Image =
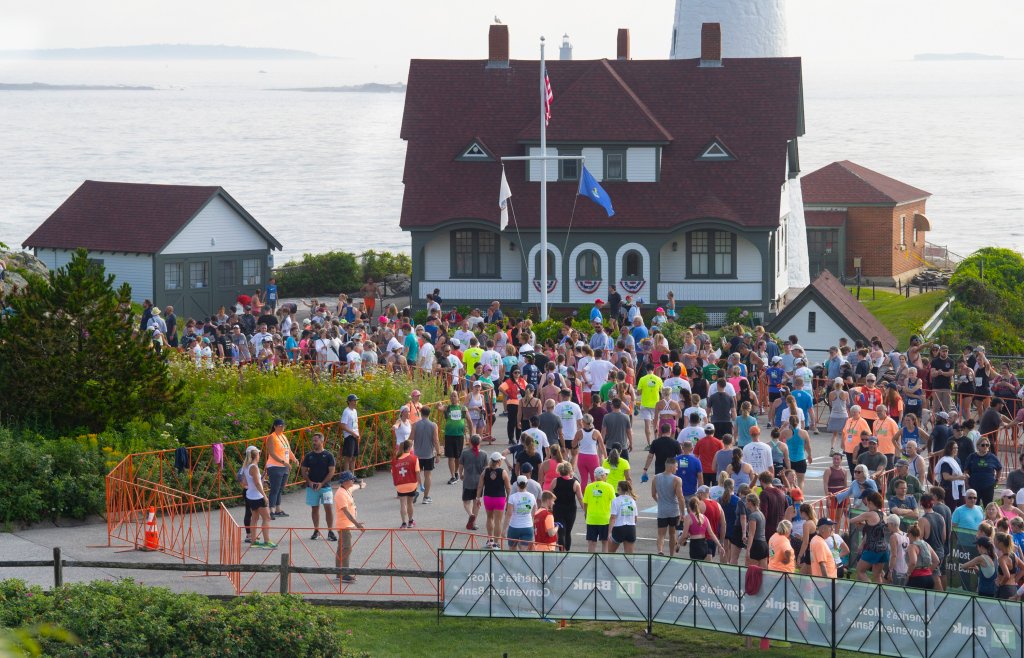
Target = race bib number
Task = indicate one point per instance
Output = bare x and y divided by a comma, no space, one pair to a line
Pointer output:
455,414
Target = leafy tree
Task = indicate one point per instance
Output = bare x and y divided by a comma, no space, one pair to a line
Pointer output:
379,264
70,356
989,305
331,272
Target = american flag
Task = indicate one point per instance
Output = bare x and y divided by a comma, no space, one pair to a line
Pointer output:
548,97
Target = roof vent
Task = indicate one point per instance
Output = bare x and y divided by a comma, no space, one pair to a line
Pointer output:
711,44
622,43
497,47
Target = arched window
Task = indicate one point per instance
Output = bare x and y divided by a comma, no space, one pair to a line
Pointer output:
632,265
552,272
588,265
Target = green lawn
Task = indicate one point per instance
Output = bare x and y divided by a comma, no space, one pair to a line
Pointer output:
902,316
419,633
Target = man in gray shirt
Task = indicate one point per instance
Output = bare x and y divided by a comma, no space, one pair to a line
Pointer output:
549,423
722,408
472,463
426,447
617,429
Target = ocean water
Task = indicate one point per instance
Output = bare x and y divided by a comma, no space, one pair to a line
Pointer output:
324,170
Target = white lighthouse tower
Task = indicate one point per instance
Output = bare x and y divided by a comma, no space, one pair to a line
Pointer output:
750,28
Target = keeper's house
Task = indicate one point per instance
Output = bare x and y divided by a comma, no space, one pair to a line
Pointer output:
194,248
697,156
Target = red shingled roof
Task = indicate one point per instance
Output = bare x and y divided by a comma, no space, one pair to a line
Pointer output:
833,297
127,217
846,182
753,105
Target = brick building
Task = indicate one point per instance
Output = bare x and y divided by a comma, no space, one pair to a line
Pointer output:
859,216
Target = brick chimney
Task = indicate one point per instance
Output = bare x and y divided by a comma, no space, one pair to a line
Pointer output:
497,47
711,44
622,50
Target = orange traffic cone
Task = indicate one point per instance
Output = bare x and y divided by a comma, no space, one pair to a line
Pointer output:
152,537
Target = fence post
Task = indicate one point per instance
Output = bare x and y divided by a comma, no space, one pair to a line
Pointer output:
834,642
650,597
283,574
58,568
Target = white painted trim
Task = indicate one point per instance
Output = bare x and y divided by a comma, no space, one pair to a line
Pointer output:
555,296
619,261
577,296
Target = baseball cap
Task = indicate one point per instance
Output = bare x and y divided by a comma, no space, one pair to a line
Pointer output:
456,342
522,479
1007,492
495,456
659,310
278,422
776,359
776,482
251,449
477,384
709,428
599,471
796,495
703,489
902,462
598,302
873,439
797,347
943,414
580,343
415,392
526,348
825,521
352,397
346,476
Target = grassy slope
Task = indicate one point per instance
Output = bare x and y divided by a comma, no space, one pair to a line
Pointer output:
902,316
418,633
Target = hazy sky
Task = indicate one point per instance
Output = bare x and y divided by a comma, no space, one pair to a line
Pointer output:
392,32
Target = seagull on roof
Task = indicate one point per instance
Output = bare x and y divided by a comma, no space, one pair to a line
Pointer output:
497,20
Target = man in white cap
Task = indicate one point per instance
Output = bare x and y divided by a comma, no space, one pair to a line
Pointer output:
597,505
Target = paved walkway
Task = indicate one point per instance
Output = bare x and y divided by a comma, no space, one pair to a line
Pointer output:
381,546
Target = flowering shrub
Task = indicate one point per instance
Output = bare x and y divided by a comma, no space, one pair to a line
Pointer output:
46,479
127,619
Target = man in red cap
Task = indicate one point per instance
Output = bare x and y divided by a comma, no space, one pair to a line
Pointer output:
595,313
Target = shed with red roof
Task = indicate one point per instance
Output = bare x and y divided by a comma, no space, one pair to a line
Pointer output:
188,246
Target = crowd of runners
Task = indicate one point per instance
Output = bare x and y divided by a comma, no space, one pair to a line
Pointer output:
916,458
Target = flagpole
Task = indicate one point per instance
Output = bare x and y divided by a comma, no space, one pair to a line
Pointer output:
543,191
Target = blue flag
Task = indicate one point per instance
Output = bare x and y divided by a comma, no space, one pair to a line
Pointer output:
590,188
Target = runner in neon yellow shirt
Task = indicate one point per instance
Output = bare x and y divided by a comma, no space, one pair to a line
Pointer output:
597,503
649,386
472,356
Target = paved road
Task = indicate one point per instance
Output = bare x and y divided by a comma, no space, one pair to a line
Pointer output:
382,545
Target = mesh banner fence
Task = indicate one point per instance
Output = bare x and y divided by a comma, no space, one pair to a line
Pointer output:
821,612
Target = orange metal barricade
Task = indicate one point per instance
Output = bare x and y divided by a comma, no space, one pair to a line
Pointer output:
371,548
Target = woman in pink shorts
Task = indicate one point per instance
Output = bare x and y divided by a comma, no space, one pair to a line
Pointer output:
494,488
590,447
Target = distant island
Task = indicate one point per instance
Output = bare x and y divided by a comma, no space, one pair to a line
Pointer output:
41,86
161,51
944,57
375,87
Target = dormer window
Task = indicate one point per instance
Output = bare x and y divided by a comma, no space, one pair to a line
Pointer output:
716,151
475,152
614,164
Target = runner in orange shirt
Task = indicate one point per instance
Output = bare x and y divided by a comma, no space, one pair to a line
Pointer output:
345,512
